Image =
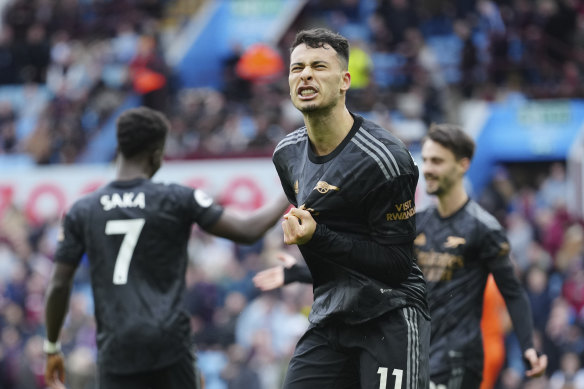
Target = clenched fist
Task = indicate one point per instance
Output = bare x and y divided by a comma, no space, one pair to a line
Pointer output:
298,226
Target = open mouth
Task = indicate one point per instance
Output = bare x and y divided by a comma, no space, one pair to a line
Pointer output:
307,92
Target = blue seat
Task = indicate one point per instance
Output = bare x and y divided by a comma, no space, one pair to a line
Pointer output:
388,69
448,51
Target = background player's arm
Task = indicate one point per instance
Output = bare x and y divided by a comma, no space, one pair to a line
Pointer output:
516,301
249,227
278,276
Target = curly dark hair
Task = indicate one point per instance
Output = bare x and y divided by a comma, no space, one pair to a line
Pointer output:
141,130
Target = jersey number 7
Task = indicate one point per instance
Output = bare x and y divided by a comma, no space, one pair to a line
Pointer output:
131,230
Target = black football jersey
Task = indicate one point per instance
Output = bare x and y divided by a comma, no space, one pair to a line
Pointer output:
456,255
135,235
364,192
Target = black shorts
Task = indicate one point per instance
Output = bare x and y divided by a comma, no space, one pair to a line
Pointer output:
180,375
389,352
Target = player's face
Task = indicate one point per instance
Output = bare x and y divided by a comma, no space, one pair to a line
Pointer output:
441,169
317,79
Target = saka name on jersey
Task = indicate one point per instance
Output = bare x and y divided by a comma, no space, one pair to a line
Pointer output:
363,190
135,235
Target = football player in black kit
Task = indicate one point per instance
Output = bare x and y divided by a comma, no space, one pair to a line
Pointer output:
458,245
352,185
135,234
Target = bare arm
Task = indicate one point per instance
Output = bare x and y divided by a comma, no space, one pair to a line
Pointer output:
56,306
249,227
57,299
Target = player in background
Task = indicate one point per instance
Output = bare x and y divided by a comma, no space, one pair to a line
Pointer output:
458,245
352,184
135,234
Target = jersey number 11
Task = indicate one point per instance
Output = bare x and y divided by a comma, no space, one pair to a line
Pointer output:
398,373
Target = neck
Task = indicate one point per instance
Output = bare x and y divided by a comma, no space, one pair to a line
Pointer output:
127,170
327,131
449,203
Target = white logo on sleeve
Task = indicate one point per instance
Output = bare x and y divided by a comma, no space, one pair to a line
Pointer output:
203,198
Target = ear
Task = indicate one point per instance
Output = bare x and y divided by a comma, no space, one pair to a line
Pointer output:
464,164
346,81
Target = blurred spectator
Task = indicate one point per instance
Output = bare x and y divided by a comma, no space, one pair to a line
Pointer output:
150,75
399,15
554,188
237,373
360,66
573,291
536,284
8,64
570,375
236,88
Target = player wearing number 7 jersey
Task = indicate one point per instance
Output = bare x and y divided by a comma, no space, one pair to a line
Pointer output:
135,234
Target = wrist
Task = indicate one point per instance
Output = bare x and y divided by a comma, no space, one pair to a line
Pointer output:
315,238
51,347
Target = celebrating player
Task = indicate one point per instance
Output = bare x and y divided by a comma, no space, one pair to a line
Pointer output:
352,185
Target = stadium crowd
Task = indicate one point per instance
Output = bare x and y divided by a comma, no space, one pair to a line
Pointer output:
413,61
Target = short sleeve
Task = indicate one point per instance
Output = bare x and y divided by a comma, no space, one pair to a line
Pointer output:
202,209
284,179
71,246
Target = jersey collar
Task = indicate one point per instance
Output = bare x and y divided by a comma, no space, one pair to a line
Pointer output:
128,183
357,121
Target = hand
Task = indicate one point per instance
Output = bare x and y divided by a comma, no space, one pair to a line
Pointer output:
298,226
55,371
538,363
273,278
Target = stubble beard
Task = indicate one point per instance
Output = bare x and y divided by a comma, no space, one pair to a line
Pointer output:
315,108
438,191
443,186
308,109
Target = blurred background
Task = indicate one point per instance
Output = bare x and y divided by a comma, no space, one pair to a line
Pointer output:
509,71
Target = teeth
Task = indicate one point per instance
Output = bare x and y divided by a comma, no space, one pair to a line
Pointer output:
306,92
